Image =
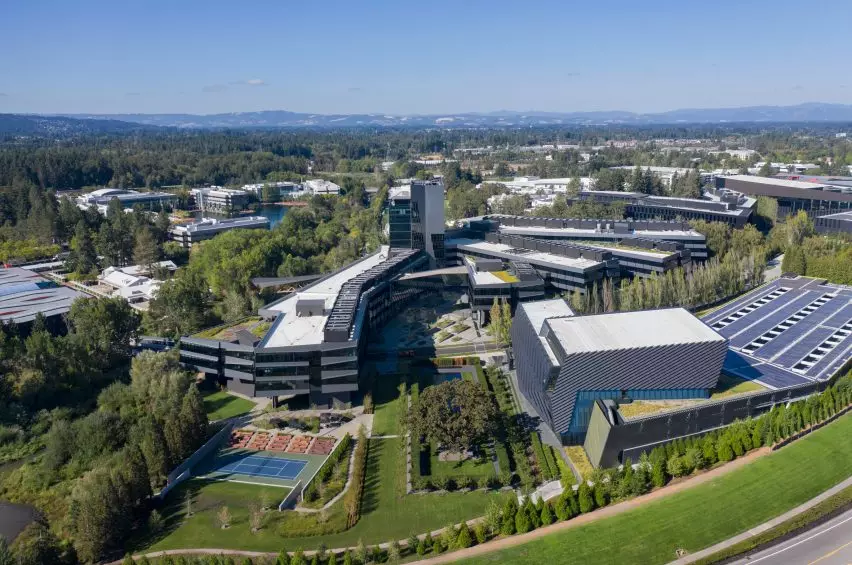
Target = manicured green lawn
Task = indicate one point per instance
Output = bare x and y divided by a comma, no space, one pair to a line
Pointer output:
386,515
220,405
387,405
704,515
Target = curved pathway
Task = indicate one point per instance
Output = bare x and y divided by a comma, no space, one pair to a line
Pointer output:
502,543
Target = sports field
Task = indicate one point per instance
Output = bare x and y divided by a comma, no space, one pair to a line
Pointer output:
259,467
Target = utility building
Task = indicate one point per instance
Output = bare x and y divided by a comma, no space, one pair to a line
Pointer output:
566,362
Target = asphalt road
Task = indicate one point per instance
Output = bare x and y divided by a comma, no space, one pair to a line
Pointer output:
827,544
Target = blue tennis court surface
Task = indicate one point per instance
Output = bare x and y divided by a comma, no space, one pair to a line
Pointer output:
789,332
264,466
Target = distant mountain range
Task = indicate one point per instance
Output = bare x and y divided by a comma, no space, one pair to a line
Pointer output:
61,126
87,123
811,112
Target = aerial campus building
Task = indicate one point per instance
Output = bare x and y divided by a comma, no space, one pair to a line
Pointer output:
792,337
219,199
566,362
317,334
416,218
729,207
814,198
128,198
640,247
189,234
25,294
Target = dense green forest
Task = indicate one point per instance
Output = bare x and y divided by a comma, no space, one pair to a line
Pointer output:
215,285
155,159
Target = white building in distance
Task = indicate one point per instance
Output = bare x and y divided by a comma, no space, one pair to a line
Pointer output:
321,187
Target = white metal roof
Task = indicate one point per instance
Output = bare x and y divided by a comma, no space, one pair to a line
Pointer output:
541,310
505,251
630,330
777,182
291,329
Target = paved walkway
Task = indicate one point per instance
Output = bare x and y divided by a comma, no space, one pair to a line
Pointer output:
512,541
600,514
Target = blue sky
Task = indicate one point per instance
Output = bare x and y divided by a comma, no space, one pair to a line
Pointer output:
397,57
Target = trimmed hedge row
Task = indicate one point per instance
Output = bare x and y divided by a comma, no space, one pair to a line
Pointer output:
352,499
311,490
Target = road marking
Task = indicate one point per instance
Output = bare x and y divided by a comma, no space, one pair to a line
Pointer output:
830,553
800,542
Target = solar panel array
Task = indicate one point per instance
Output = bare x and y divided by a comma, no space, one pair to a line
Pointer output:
789,332
341,320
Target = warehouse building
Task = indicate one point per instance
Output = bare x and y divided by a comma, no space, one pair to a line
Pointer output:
317,334
566,362
816,199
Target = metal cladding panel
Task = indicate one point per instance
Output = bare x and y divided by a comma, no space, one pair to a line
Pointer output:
615,442
533,363
675,366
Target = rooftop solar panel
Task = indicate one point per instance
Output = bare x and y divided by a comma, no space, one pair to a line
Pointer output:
769,320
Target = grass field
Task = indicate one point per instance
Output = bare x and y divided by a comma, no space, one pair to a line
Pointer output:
702,516
387,405
220,405
386,515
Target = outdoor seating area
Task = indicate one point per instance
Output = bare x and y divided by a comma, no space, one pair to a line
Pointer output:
265,441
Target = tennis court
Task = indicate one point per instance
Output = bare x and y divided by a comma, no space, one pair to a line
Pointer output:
265,466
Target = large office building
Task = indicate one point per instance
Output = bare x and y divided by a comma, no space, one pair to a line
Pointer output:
218,199
25,294
494,279
841,222
814,198
563,266
640,247
566,362
729,207
416,218
189,234
317,334
128,198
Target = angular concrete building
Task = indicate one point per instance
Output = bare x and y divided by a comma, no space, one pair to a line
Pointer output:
566,362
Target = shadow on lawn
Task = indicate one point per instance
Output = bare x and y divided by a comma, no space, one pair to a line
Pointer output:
370,501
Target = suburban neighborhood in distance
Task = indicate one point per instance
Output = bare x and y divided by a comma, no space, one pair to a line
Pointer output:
398,323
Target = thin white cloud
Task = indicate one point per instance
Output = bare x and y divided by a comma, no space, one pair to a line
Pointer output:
133,94
256,82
